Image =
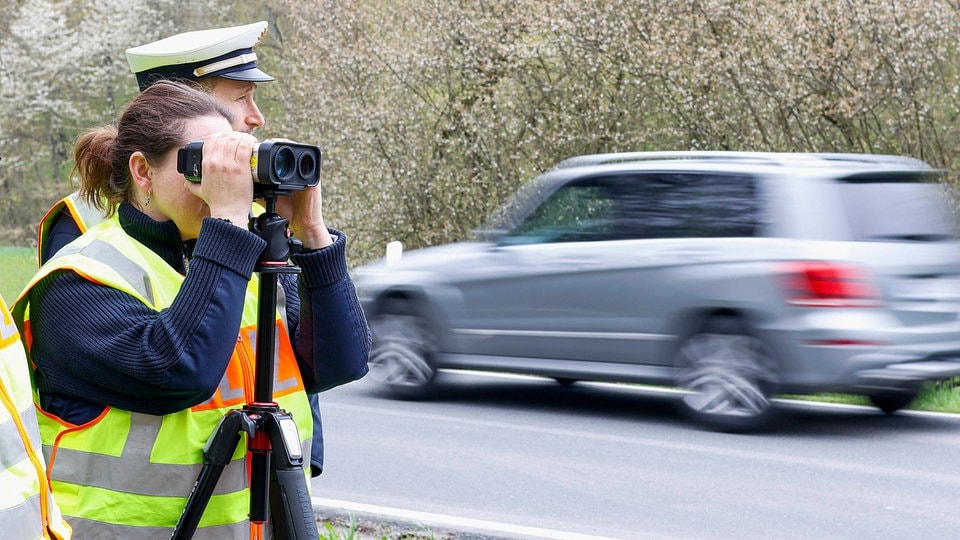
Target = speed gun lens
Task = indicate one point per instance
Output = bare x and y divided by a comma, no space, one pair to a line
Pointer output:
285,166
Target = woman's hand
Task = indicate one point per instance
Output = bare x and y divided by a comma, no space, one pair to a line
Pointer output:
227,185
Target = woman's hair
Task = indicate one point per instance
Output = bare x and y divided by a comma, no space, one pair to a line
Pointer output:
153,123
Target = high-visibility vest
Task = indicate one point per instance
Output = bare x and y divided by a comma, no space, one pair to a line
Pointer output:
27,508
83,214
128,475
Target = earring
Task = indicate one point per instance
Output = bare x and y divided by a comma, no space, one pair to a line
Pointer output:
147,201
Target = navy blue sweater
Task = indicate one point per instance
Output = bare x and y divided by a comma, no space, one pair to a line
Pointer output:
95,346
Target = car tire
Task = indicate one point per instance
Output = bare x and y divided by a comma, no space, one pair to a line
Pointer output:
729,377
891,402
402,355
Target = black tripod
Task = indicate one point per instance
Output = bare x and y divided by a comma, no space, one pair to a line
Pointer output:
277,480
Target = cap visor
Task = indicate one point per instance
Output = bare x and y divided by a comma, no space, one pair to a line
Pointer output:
251,75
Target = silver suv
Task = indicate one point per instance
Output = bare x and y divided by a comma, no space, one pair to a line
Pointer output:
733,276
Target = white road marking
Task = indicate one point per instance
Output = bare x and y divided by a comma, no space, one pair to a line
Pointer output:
440,520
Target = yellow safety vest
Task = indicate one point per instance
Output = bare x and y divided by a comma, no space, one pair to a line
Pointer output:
84,215
128,475
27,508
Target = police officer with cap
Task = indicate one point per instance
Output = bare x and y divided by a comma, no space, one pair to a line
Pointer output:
221,59
224,61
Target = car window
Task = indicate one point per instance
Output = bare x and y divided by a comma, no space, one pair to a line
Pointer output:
690,205
881,209
643,205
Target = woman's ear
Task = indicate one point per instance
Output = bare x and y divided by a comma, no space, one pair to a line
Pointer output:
140,171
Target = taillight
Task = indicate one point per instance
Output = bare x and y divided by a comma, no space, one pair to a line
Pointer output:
828,284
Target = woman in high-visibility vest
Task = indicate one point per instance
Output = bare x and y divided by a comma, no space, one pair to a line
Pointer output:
188,56
143,330
27,509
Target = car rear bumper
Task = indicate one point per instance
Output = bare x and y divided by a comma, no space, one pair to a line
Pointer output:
867,360
904,374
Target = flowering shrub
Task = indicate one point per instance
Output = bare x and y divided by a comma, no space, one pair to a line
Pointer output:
430,113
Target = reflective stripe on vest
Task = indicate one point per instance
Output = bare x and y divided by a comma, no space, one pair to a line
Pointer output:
143,467
126,268
24,520
82,214
27,509
85,528
12,447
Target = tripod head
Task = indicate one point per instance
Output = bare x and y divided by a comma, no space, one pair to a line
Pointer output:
272,227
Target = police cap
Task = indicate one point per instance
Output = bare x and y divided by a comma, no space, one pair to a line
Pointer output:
221,52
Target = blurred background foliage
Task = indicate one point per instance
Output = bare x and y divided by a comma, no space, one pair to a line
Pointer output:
430,113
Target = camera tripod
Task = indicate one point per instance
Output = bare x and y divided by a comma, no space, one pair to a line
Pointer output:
277,480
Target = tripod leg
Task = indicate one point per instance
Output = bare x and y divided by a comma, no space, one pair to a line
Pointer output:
290,504
216,455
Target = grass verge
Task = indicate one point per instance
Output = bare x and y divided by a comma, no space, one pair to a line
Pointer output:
18,267
353,528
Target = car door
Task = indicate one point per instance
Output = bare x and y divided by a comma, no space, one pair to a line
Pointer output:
596,271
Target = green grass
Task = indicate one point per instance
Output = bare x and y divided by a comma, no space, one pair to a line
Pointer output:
940,396
353,528
18,266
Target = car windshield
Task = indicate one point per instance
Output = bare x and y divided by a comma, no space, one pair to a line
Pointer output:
510,214
885,209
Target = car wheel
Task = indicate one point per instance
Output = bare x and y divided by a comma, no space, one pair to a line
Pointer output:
730,377
403,349
891,402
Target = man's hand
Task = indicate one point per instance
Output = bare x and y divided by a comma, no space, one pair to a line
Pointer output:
304,210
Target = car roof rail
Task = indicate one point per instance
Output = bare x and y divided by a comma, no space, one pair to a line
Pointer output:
873,159
769,158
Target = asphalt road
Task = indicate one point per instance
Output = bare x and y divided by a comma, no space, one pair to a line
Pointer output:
533,459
